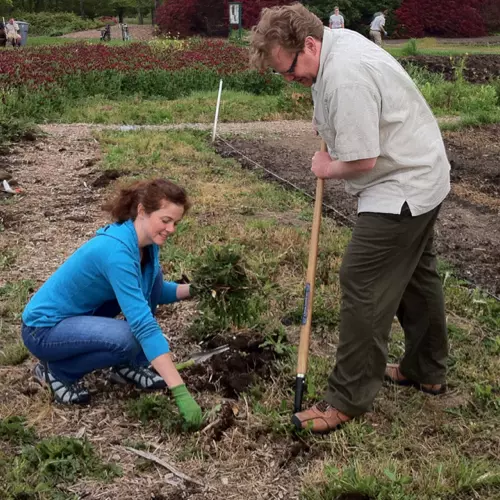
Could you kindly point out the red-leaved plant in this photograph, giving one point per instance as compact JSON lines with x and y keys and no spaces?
{"x":452,"y":18}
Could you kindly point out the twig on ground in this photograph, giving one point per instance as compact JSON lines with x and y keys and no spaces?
{"x":159,"y":461}
{"x":210,"y":425}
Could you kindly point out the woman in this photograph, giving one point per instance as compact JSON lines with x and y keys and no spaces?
{"x":69,"y":323}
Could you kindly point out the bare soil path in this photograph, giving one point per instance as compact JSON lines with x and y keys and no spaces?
{"x":138,"y":32}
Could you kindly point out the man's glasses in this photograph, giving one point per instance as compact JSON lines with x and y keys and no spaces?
{"x":291,"y":69}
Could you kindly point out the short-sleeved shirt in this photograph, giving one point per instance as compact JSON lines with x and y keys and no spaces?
{"x":367,"y":106}
{"x":378,"y":23}
{"x":336,"y":21}
{"x":11,"y":29}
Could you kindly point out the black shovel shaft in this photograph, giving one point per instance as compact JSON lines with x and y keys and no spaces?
{"x":300,"y":383}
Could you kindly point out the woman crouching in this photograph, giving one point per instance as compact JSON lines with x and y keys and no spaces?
{"x":69,"y":324}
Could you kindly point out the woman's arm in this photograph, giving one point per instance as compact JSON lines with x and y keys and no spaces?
{"x":164,"y":365}
{"x":182,"y":292}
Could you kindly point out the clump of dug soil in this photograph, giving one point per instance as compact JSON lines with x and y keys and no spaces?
{"x":235,"y":370}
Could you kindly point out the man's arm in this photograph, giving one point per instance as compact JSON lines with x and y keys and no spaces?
{"x":325,"y":168}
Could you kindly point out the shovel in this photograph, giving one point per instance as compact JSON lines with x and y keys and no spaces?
{"x":200,"y":357}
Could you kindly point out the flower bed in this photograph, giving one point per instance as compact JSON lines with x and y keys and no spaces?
{"x":37,"y":67}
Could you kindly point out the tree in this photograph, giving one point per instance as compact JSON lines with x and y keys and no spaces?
{"x":120,"y":6}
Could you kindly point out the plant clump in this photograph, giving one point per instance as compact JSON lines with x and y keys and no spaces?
{"x":43,"y":467}
{"x":227,"y":291}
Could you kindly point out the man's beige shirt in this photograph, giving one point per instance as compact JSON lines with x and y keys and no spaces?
{"x":367,"y":106}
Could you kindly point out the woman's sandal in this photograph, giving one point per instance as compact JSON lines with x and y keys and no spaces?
{"x":394,"y":376}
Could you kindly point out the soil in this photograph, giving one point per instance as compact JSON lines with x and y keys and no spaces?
{"x":108,"y":176}
{"x":235,"y":370}
{"x":468,"y":229}
{"x":480,"y":68}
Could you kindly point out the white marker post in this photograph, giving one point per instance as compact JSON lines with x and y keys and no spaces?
{"x":217,"y":111}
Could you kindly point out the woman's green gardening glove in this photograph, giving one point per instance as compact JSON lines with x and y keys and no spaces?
{"x":188,"y":407}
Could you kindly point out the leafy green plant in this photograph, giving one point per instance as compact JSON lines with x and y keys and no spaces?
{"x":277,"y":341}
{"x":226,"y":289}
{"x":411,"y":48}
{"x":487,"y":396}
{"x":156,"y":408}
{"x":42,"y":467}
{"x":14,"y":430}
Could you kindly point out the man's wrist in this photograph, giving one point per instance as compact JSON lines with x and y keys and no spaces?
{"x":333,"y":170}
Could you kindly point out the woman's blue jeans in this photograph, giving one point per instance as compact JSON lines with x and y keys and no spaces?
{"x":81,"y":344}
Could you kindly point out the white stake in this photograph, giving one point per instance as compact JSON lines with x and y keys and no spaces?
{"x":217,"y":111}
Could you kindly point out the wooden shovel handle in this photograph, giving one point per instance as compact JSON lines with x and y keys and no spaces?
{"x":305,"y":330}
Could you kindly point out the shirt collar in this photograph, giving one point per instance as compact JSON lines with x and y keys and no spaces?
{"x":326,"y":47}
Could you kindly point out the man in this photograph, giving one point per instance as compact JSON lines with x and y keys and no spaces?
{"x":12,"y":31}
{"x":377,"y":27}
{"x":385,"y":143}
{"x":336,"y":20}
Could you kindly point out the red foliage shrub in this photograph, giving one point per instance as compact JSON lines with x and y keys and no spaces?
{"x":177,"y":17}
{"x":209,"y":17}
{"x":490,"y":10}
{"x":452,"y":18}
{"x":253,"y":8}
{"x":41,"y":67}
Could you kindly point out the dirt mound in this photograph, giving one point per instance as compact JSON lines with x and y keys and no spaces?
{"x":233,"y":371}
{"x":480,"y":68}
{"x":108,"y":176}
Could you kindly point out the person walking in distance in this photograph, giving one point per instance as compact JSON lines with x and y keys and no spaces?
{"x":377,"y":27}
{"x":336,"y":20}
{"x":384,"y":141}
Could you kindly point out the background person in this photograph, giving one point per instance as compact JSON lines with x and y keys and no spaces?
{"x":69,"y":324}
{"x":12,"y":32}
{"x":377,"y":27}
{"x":385,"y":143}
{"x":336,"y":20}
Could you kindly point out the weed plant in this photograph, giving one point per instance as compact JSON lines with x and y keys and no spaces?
{"x":40,"y":468}
{"x":156,"y":408}
{"x":14,"y":431}
{"x":226,"y":289}
{"x":411,"y":48}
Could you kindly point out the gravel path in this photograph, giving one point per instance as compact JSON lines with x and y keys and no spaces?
{"x":288,"y":128}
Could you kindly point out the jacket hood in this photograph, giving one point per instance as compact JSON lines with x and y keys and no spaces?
{"x":122,"y":231}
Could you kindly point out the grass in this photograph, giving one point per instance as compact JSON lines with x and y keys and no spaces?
{"x":468,"y":105}
{"x":199,"y":107}
{"x":432,"y":46}
{"x":412,"y":446}
{"x":36,"y":41}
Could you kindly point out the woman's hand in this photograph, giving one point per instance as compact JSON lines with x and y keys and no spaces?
{"x":188,"y":407}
